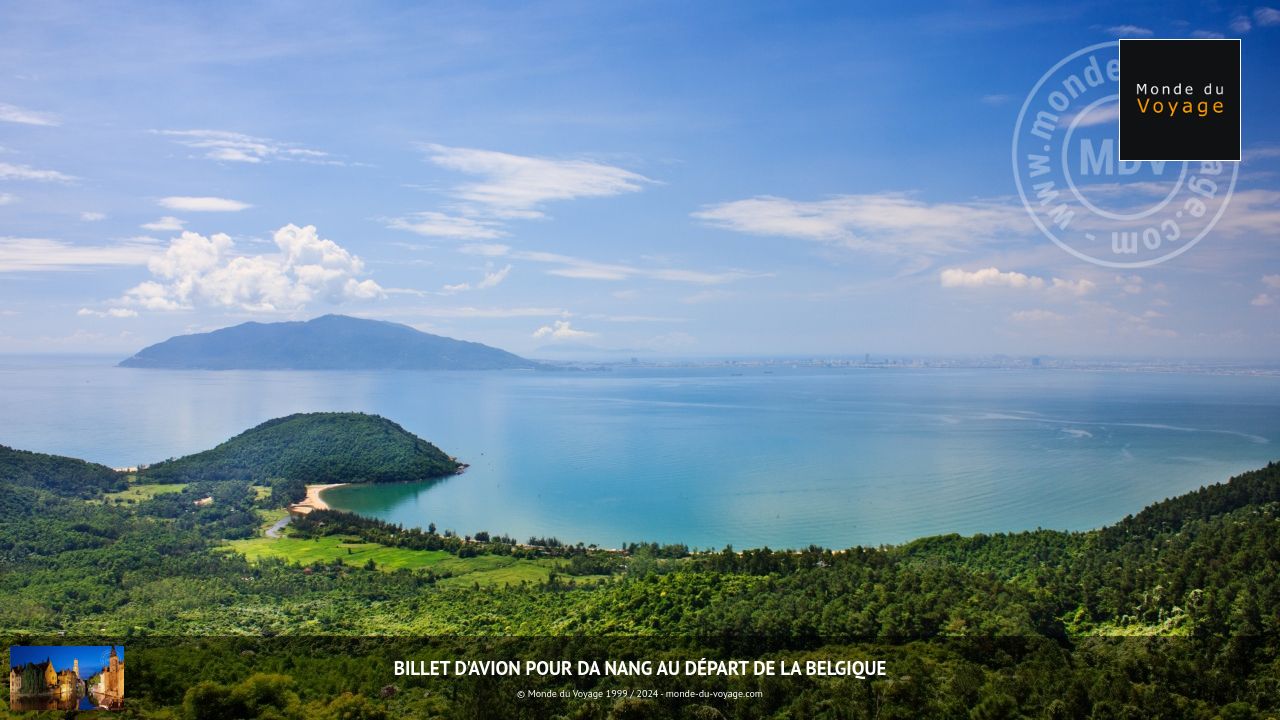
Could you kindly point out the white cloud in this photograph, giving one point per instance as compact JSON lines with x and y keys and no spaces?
{"x":561,"y":330}
{"x":491,"y":278}
{"x":988,"y":277}
{"x":1105,"y":114}
{"x":1266,"y":16}
{"x":994,"y":277}
{"x":1072,"y":287}
{"x":92,"y":216}
{"x":880,"y":222}
{"x":203,"y":204}
{"x":1262,"y":300}
{"x":168,"y":223}
{"x":42,"y":255}
{"x":1251,"y":211}
{"x":198,"y":270}
{"x":437,"y":224}
{"x":1271,"y":281}
{"x":485,"y":249}
{"x":237,"y":147}
{"x":15,"y":114}
{"x":1036,"y":317}
{"x":1207,"y":35}
{"x":489,"y":313}
{"x":6,"y":199}
{"x":1129,"y":31}
{"x":24,"y":172}
{"x":1262,"y":152}
{"x":1131,"y":284}
{"x":579,"y":268}
{"x":515,"y":186}
{"x":115,"y":312}
{"x":1240,"y":24}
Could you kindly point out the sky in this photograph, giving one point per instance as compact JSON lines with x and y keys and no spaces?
{"x":93,"y":658}
{"x":574,"y":179}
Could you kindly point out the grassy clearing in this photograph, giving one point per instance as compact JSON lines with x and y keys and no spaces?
{"x":484,"y":569}
{"x":135,"y":494}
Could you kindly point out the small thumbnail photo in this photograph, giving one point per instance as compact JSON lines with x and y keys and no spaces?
{"x":66,"y":677}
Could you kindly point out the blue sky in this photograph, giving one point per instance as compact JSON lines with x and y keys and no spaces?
{"x":562,"y":179}
{"x":93,"y":658}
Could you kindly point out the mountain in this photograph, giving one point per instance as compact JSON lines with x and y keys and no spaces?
{"x":331,"y":342}
{"x":329,"y":447}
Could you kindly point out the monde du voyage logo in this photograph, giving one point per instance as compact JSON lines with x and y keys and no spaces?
{"x":1175,"y":179}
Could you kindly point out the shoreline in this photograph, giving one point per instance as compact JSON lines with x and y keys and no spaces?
{"x":313,"y":501}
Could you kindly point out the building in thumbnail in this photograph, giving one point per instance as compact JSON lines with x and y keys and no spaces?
{"x":109,"y":690}
{"x":41,"y":678}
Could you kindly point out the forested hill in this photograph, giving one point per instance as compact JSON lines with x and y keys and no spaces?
{"x":325,"y":447}
{"x":330,"y":342}
{"x":62,"y":475}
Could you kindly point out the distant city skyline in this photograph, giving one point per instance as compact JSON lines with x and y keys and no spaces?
{"x":564,"y":179}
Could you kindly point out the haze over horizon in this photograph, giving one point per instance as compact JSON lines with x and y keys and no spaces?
{"x":695,"y":181}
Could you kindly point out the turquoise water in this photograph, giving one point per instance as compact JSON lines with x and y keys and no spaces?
{"x":705,"y":456}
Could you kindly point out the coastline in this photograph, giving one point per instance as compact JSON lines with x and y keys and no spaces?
{"x":313,"y":500}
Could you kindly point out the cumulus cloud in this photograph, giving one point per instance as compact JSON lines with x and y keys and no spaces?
{"x":168,"y":223}
{"x":1262,"y":300}
{"x":561,"y":330}
{"x":199,"y":270}
{"x":1240,"y":24}
{"x":23,"y":172}
{"x":43,"y":255}
{"x":15,"y":114}
{"x":994,"y":277}
{"x":1271,"y":281}
{"x":879,"y":222}
{"x":237,"y":147}
{"x":202,"y":204}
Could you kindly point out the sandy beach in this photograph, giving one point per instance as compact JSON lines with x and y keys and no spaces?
{"x":313,"y":500}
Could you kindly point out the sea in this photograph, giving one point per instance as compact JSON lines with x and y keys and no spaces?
{"x":750,"y":456}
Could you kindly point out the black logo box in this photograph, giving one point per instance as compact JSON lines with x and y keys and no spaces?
{"x":1180,"y":64}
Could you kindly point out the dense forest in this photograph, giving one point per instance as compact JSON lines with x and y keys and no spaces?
{"x":292,"y":451}
{"x":1171,"y":613}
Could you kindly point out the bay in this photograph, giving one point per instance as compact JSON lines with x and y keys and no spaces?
{"x":704,"y":456}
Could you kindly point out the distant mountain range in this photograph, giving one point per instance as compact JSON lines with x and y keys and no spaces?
{"x":330,"y":342}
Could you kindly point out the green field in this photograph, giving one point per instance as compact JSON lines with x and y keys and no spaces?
{"x":483,"y":569}
{"x":135,"y":494}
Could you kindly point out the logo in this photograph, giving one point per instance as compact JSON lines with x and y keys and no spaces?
{"x":1107,"y":211}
